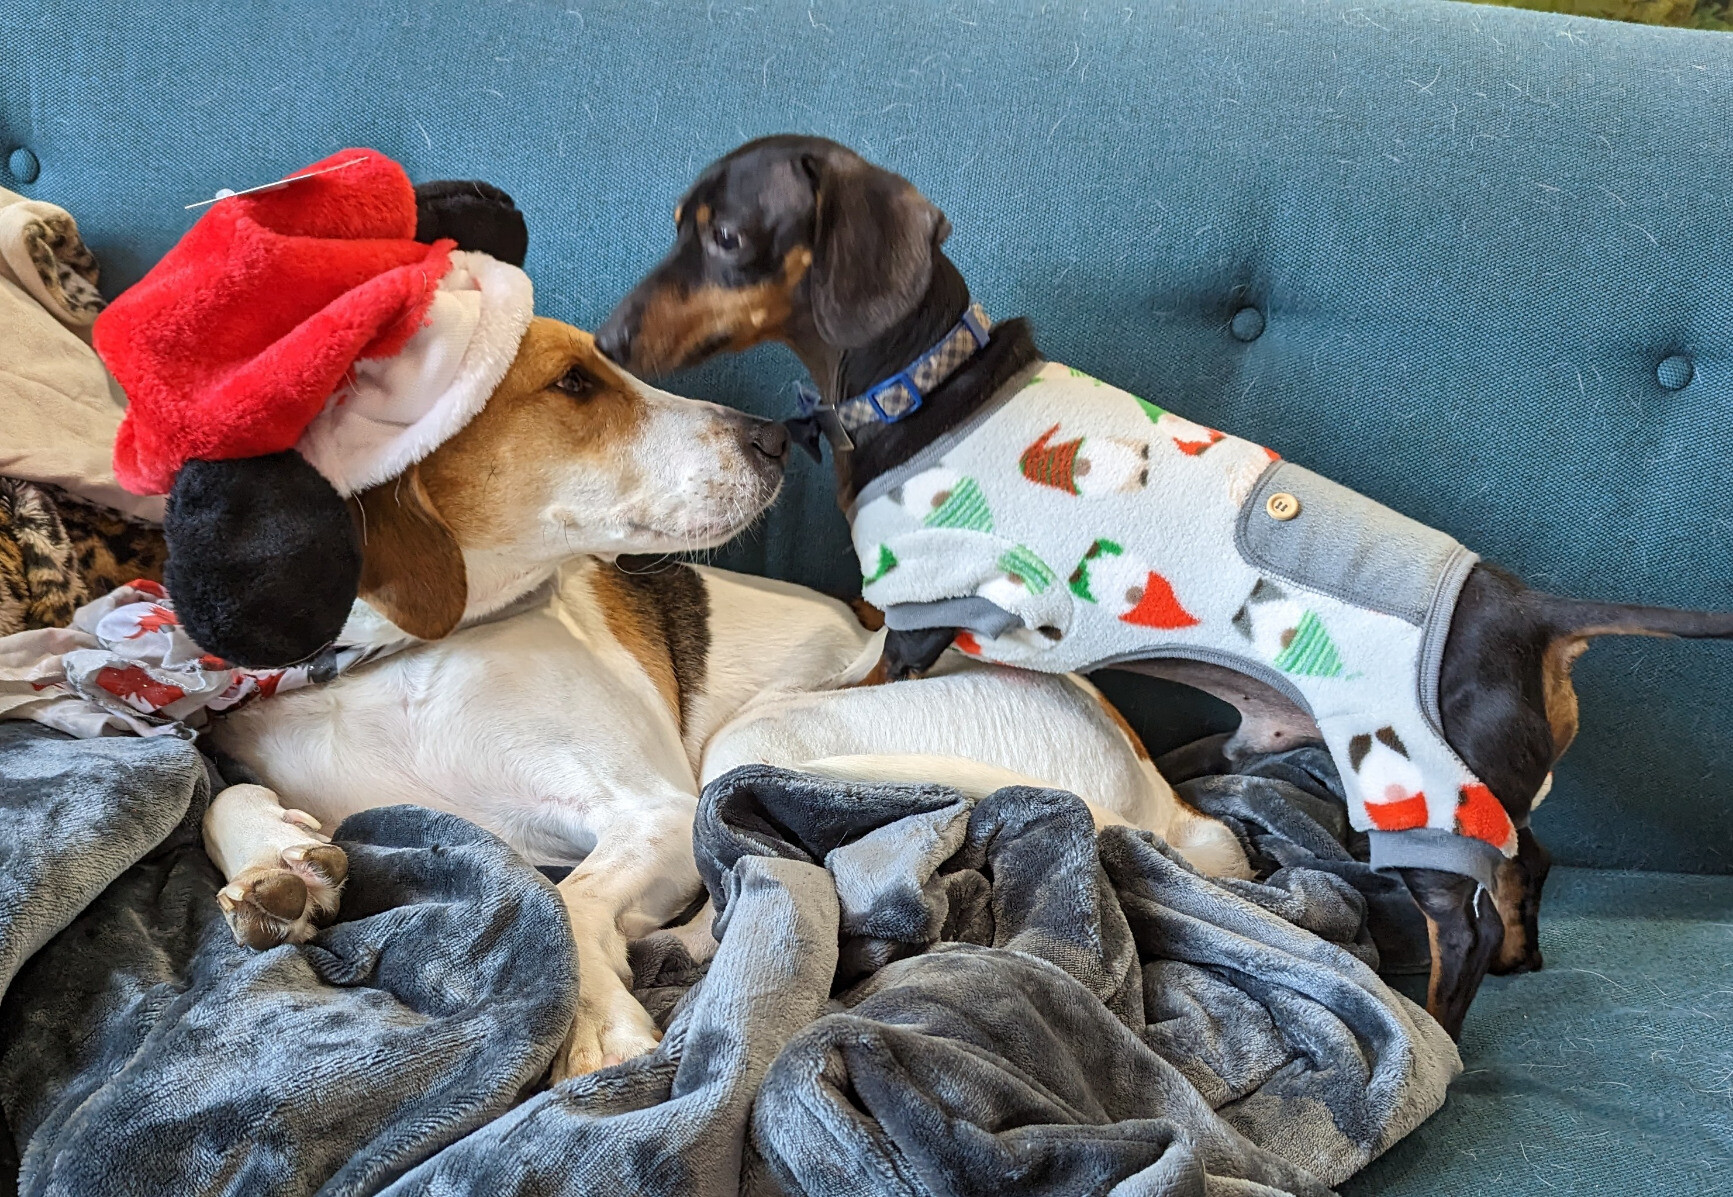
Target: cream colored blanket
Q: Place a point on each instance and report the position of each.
(58, 406)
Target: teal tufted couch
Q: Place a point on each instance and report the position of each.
(1486, 257)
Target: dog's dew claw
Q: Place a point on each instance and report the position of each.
(301, 818)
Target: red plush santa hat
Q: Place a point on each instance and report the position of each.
(297, 346)
(307, 316)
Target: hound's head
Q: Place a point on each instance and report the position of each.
(570, 456)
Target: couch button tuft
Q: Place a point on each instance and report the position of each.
(22, 165)
(1247, 324)
(1675, 373)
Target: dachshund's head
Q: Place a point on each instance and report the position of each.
(788, 238)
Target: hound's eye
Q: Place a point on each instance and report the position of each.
(727, 239)
(576, 383)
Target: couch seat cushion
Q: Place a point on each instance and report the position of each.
(1609, 1071)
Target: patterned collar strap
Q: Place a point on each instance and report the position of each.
(901, 395)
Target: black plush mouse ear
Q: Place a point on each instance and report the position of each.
(264, 560)
(478, 216)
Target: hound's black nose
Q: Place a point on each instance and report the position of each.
(615, 340)
(770, 439)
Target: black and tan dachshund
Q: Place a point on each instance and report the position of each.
(800, 240)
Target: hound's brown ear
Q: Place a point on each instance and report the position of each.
(874, 237)
(411, 565)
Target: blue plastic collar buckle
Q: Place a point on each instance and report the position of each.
(908, 406)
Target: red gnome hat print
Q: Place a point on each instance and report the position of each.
(1125, 585)
(1481, 816)
(1388, 781)
(1094, 465)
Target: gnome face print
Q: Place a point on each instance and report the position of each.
(1124, 584)
(944, 498)
(1023, 574)
(1389, 782)
(1191, 439)
(1287, 633)
(1086, 465)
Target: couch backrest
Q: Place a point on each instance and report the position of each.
(1472, 237)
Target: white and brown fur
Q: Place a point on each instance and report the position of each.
(582, 730)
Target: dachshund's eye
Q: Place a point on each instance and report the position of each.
(727, 239)
(576, 383)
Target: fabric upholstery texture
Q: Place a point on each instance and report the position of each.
(1605, 1072)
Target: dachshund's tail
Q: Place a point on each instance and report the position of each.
(1579, 618)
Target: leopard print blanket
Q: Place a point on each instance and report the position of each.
(58, 552)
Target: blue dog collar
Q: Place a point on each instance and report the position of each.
(901, 395)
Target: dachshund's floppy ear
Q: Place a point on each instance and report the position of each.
(412, 568)
(873, 243)
(478, 216)
(263, 558)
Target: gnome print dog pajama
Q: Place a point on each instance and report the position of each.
(1087, 527)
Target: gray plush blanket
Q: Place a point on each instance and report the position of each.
(913, 994)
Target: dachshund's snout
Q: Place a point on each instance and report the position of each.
(614, 338)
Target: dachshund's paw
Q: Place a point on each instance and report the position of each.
(606, 1030)
(286, 902)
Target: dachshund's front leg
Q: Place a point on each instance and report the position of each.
(909, 654)
(1518, 889)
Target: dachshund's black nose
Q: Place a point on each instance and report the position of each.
(615, 340)
(770, 439)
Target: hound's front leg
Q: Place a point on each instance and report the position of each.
(639, 875)
(284, 877)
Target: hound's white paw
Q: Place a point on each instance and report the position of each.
(609, 1029)
(285, 875)
(285, 902)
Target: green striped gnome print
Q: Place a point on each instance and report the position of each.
(1286, 633)
(942, 498)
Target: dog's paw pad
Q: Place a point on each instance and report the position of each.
(266, 907)
(285, 902)
(323, 868)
